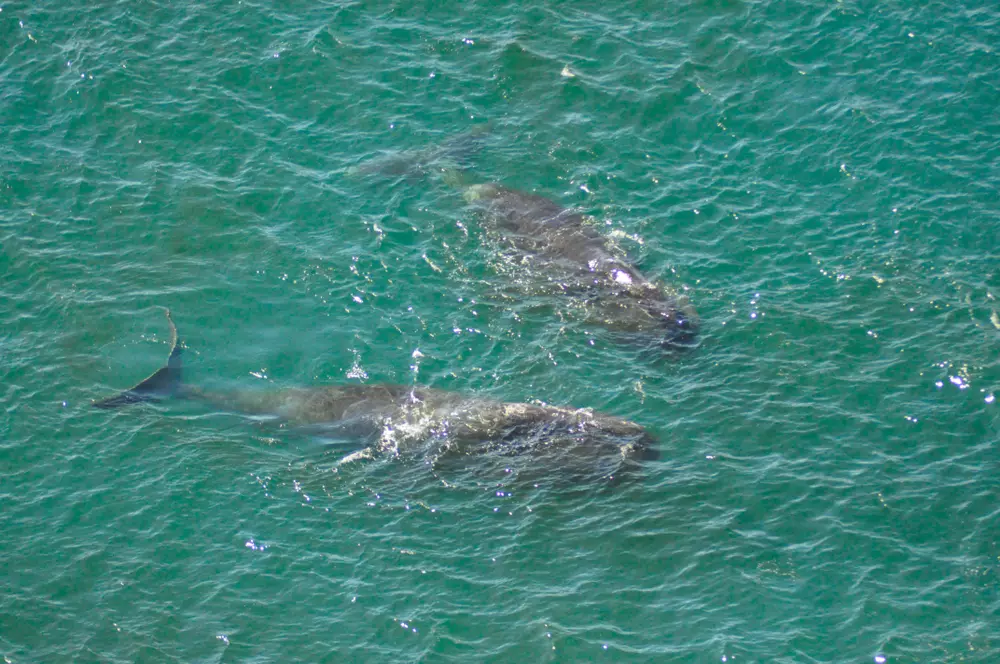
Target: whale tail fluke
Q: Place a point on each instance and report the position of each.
(165, 382)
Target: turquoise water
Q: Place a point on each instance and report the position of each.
(819, 178)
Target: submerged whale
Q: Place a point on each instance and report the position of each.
(566, 249)
(397, 420)
(456, 152)
(555, 250)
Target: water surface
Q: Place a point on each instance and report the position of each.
(819, 178)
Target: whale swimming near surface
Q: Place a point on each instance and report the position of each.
(398, 420)
(552, 250)
(574, 258)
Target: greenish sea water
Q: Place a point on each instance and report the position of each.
(820, 178)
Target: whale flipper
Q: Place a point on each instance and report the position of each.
(163, 383)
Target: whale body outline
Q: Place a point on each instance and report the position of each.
(394, 420)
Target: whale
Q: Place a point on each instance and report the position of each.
(406, 420)
(552, 250)
(564, 248)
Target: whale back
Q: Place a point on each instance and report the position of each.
(563, 247)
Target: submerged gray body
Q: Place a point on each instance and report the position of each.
(402, 420)
(452, 153)
(556, 250)
(564, 247)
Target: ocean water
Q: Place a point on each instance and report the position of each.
(819, 178)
